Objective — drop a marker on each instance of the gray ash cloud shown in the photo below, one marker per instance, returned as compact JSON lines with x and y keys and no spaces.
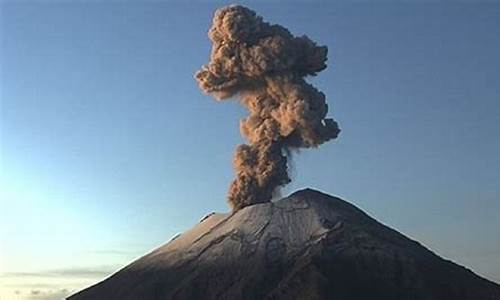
{"x":264,"y":66}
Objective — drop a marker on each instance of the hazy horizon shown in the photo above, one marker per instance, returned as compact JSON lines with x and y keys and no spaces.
{"x":109,"y":149}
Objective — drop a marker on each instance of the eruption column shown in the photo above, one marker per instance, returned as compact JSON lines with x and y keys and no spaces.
{"x":264,"y":66}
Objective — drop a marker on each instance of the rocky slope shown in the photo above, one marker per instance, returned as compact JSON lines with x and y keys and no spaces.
{"x":307,"y":246}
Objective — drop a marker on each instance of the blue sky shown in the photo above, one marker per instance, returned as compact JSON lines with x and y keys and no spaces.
{"x":108,"y":147}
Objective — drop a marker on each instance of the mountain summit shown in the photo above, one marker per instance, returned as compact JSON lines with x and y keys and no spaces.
{"x":306,"y":246}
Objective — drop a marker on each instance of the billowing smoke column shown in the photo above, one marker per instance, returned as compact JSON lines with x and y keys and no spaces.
{"x":264,"y":66}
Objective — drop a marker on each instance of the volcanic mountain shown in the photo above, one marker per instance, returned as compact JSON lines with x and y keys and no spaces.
{"x":308,"y":245}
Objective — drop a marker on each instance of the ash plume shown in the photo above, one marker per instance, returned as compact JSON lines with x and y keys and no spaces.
{"x":264,"y":66}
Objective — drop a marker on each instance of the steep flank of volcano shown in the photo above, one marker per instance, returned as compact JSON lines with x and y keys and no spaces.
{"x":306,"y":246}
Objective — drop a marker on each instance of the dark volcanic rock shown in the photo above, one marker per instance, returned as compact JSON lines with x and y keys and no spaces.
{"x":307,"y":246}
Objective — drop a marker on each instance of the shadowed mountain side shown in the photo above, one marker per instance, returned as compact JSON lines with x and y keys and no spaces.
{"x":307,"y":246}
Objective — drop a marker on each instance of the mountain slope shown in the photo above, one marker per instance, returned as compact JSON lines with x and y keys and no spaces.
{"x":307,"y":246}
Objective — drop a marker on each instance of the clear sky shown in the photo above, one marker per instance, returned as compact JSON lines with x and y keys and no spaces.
{"x":108,"y":147}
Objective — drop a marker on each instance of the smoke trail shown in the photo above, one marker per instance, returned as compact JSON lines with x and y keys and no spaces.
{"x":264,"y":66}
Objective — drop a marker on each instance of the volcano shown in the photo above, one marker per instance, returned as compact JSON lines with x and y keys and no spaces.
{"x":308,"y":245}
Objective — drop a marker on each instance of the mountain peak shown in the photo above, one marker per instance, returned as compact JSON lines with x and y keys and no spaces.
{"x":308,"y":245}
